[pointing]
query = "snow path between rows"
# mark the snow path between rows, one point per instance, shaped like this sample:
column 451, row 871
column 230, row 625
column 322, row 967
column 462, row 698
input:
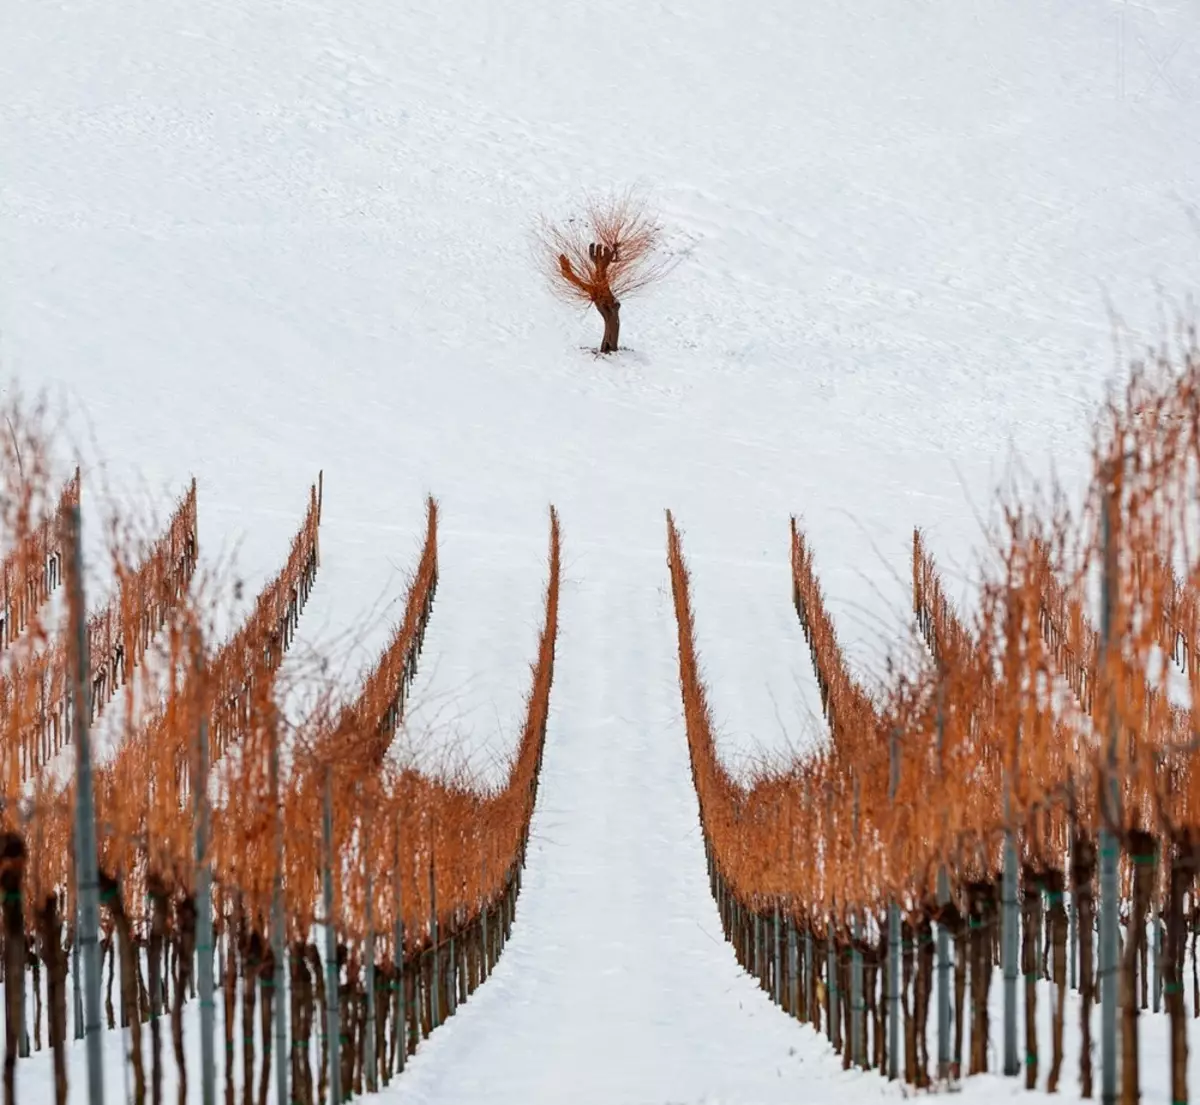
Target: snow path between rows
column 618, row 977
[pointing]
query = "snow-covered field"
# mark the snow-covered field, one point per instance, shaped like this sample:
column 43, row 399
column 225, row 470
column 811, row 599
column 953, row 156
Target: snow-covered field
column 248, row 239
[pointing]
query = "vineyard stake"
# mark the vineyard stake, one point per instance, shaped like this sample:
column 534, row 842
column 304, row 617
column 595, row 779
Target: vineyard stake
column 1108, row 841
column 278, row 942
column 333, row 1028
column 86, row 858
column 1010, row 930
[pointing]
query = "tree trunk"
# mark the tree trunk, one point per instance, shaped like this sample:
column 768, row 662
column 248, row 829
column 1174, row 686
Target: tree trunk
column 959, row 931
column 1031, row 908
column 143, row 1002
column 818, row 960
column 107, row 952
column 50, row 929
column 883, row 956
column 870, row 982
column 980, row 919
column 266, row 976
column 229, row 993
column 1141, row 849
column 302, row 1017
column 12, row 873
column 157, row 893
column 318, row 978
column 910, row 1028
column 345, row 1046
column 1055, row 885
column 1182, row 872
column 610, row 311
column 382, row 978
column 1083, row 872
column 36, row 965
column 110, row 893
column 924, row 993
column 1195, row 965
column 185, row 913
column 251, row 957
column 1143, row 973
column 846, row 1004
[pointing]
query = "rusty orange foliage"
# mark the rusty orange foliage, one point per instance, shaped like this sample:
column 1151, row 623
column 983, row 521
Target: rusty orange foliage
column 626, row 262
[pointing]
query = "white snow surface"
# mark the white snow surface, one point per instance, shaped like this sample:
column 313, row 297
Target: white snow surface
column 248, row 239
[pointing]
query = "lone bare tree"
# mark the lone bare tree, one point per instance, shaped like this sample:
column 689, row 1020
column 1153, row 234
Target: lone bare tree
column 602, row 257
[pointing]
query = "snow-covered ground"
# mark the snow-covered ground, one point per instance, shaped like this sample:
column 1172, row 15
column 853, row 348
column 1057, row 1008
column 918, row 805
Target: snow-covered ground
column 248, row 239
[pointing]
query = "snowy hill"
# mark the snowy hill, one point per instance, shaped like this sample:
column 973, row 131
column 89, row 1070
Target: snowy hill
column 246, row 239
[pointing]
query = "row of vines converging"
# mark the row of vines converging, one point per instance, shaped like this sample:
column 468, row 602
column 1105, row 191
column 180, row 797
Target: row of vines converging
column 1034, row 725
column 305, row 827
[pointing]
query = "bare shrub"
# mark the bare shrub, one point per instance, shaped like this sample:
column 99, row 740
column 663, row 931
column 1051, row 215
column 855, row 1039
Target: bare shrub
column 602, row 256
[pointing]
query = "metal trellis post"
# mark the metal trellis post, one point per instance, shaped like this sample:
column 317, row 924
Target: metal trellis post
column 86, row 857
column 1009, row 946
column 1109, row 889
